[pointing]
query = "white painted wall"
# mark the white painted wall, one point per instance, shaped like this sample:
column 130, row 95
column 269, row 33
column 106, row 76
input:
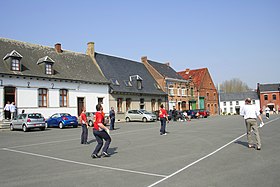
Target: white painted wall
column 233, row 106
column 26, row 98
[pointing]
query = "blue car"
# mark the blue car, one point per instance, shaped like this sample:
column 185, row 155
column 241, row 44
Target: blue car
column 62, row 120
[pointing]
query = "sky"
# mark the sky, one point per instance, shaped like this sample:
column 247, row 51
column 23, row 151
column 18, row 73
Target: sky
column 232, row 38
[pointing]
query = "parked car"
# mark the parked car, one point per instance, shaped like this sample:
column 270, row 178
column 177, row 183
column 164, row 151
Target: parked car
column 28, row 121
column 62, row 120
column 191, row 113
column 203, row 113
column 90, row 118
column 139, row 115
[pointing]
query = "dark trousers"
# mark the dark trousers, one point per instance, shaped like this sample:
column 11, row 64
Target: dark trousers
column 84, row 135
column 100, row 135
column 112, row 124
column 7, row 114
column 162, row 125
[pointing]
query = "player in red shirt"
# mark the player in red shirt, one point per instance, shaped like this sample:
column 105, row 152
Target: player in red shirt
column 163, row 118
column 84, row 135
column 100, row 132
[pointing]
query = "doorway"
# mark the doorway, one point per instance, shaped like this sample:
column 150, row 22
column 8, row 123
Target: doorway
column 80, row 104
column 9, row 94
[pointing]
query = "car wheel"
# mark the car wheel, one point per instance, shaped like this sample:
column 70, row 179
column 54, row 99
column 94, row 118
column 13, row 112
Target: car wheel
column 60, row 125
column 11, row 127
column 127, row 119
column 24, row 128
column 42, row 128
column 144, row 119
column 90, row 123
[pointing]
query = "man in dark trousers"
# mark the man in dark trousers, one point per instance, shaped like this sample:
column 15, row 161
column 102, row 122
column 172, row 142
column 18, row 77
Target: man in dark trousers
column 112, row 118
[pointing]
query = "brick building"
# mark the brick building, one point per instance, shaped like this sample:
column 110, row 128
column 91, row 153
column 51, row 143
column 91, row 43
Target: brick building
column 207, row 95
column 269, row 96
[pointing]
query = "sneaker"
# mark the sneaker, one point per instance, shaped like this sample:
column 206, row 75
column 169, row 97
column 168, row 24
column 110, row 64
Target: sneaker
column 164, row 134
column 258, row 148
column 94, row 156
column 104, row 154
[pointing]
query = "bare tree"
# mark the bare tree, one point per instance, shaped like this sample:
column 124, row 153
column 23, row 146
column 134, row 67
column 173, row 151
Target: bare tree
column 234, row 85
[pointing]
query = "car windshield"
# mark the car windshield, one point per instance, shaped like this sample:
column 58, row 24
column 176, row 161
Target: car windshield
column 64, row 114
column 35, row 116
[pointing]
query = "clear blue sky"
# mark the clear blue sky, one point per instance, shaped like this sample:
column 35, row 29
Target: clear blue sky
column 232, row 38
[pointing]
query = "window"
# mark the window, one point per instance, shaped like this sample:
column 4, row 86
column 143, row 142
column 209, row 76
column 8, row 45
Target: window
column 225, row 110
column 42, row 97
column 157, row 86
column 230, row 103
column 274, row 97
column 139, row 84
column 119, row 104
column 237, row 102
column 100, row 100
column 115, row 82
column 207, row 95
column 15, row 64
column 159, row 103
column 254, row 102
column 179, row 91
column 214, row 96
column 265, row 97
column 231, row 110
column 63, row 98
column 48, row 69
column 153, row 104
column 127, row 83
column 225, row 103
column 171, row 90
column 128, row 104
column 183, row 91
column 142, row 103
column 191, row 91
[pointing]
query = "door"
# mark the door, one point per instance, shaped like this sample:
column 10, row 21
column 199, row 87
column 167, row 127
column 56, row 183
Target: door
column 80, row 104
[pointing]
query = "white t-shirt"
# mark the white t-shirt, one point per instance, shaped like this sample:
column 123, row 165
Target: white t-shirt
column 249, row 111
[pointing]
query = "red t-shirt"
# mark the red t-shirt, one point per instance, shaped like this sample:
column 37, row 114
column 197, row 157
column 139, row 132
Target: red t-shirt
column 83, row 118
column 98, row 119
column 162, row 113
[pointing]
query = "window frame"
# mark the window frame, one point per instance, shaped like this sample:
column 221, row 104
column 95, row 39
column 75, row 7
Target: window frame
column 43, row 97
column 48, row 69
column 63, row 98
column 15, row 64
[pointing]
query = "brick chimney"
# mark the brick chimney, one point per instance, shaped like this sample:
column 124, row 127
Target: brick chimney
column 187, row 71
column 58, row 48
column 144, row 59
column 90, row 49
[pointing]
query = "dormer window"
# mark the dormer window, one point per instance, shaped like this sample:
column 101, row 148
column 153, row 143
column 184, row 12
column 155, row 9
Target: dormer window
column 14, row 59
column 138, row 79
column 48, row 62
column 127, row 83
column 15, row 64
column 48, row 69
column 139, row 84
column 115, row 82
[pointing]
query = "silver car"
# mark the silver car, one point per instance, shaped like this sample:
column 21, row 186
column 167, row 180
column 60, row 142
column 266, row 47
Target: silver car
column 28, row 121
column 139, row 115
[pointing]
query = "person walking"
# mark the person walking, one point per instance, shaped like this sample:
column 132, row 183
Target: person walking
column 84, row 135
column 267, row 111
column 174, row 114
column 7, row 110
column 100, row 131
column 112, row 118
column 250, row 114
column 163, row 118
column 13, row 110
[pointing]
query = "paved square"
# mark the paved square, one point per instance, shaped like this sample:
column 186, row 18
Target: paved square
column 204, row 152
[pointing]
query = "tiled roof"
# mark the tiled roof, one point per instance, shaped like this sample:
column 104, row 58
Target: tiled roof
column 269, row 87
column 238, row 96
column 67, row 65
column 196, row 75
column 165, row 70
column 120, row 69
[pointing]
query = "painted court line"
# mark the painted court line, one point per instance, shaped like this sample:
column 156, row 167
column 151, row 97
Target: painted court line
column 59, row 141
column 195, row 162
column 84, row 164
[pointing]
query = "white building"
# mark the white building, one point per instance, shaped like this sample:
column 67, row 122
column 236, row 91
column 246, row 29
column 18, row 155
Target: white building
column 230, row 103
column 49, row 80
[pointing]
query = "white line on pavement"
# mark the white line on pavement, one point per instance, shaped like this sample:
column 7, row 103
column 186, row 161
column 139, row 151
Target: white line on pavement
column 84, row 164
column 195, row 162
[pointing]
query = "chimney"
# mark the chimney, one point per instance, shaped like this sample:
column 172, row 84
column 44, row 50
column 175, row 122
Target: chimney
column 168, row 64
column 90, row 49
column 187, row 71
column 58, row 48
column 144, row 59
